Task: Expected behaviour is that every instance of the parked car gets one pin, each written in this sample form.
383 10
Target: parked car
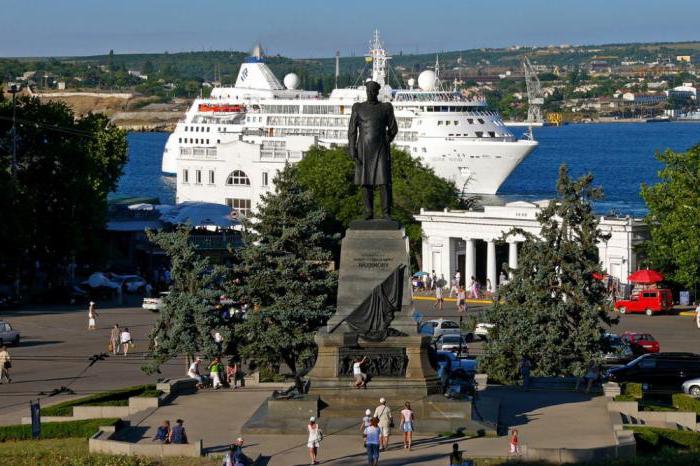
658 372
482 330
641 343
129 283
453 343
154 304
692 387
438 327
649 301
615 350
8 336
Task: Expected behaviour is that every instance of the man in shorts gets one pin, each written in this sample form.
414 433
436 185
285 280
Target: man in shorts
360 377
383 413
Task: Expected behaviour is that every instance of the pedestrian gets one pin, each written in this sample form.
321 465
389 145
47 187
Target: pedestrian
454 287
456 458
474 288
433 280
232 373
360 377
314 441
458 278
383 413
125 338
92 314
114 338
5 365
163 432
372 439
524 368
514 443
215 373
697 315
439 299
193 372
177 433
461 299
235 456
366 422
407 420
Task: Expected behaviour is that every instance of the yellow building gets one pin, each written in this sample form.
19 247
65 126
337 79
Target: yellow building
683 58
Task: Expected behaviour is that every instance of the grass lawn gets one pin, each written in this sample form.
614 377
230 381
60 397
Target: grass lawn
74 452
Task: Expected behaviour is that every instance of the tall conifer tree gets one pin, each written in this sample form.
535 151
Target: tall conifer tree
553 309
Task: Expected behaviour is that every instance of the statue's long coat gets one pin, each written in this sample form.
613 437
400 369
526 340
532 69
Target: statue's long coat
372 128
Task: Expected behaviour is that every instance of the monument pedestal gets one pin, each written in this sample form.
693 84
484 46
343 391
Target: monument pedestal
373 320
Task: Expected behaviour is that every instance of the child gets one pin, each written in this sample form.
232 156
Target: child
366 422
514 443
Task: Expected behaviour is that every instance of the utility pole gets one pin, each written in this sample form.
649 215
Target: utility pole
13 166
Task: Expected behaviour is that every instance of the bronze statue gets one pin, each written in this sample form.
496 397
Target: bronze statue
372 128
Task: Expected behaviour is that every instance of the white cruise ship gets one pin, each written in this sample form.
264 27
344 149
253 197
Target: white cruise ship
240 135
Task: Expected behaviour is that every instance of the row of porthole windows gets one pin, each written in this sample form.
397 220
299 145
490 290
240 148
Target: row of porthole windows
196 141
456 122
196 129
235 178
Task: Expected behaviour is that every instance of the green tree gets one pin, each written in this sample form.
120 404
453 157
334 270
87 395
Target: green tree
188 318
329 175
553 309
674 217
57 200
286 276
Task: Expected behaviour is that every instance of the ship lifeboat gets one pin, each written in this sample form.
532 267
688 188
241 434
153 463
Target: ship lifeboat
223 108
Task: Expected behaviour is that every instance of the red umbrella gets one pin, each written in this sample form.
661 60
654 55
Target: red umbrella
646 276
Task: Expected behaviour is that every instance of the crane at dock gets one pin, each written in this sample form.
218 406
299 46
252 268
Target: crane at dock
535 96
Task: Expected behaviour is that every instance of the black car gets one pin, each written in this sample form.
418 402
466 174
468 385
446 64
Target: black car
658 372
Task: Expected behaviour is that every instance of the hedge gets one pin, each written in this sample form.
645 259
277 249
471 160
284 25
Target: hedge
632 389
653 438
49 430
685 403
118 397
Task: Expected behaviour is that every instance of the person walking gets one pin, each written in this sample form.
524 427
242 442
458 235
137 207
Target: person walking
461 299
524 368
92 315
177 433
439 299
383 414
474 288
125 339
114 338
366 422
5 365
514 443
407 420
372 436
454 287
314 440
434 280
215 374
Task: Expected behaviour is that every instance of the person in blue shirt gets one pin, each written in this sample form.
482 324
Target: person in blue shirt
163 432
177 433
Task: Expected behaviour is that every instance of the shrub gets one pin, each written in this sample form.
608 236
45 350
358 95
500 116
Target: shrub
632 389
652 438
268 374
118 397
49 430
685 403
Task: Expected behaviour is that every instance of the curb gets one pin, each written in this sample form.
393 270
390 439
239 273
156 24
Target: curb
454 300
687 313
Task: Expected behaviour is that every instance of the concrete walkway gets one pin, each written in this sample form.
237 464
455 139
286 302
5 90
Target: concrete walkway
543 418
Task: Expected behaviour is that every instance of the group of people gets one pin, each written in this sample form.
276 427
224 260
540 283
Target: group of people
219 376
120 340
375 428
175 434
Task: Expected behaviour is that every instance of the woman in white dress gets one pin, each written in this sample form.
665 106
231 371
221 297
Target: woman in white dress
125 339
315 437
91 316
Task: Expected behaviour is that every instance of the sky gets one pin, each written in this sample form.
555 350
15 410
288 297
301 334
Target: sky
317 28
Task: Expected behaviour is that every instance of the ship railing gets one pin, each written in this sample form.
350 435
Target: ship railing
198 153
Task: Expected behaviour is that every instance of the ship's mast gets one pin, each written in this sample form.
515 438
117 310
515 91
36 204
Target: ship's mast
379 59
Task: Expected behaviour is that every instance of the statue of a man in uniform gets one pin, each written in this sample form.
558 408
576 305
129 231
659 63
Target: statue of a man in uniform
372 128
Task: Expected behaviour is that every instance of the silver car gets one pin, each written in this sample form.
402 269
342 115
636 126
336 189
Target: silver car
7 335
692 387
438 327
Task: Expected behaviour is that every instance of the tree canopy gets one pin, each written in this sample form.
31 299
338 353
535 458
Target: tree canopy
674 217
328 174
553 309
54 208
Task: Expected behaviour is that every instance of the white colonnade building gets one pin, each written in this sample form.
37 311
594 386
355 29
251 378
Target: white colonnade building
470 242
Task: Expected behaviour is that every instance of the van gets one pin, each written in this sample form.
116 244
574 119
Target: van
649 301
658 372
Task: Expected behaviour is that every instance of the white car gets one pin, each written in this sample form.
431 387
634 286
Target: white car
438 327
692 387
154 304
482 330
452 343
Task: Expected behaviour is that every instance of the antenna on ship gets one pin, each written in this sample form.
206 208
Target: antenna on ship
438 83
337 67
378 57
